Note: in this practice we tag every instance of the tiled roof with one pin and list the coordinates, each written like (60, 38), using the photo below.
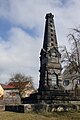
(20, 84)
(4, 86)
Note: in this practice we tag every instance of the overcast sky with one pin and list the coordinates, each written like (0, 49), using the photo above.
(22, 32)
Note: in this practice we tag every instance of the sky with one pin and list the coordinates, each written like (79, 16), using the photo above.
(22, 25)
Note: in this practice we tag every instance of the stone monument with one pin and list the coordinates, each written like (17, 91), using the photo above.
(50, 96)
(49, 89)
(50, 67)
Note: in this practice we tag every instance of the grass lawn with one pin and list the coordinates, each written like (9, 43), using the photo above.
(39, 116)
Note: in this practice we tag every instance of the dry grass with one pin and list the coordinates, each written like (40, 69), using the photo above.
(39, 116)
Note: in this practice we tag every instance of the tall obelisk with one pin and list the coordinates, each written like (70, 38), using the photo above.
(50, 67)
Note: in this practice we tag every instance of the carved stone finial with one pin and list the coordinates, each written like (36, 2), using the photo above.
(49, 15)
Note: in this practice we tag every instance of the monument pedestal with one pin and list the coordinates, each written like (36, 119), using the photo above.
(47, 96)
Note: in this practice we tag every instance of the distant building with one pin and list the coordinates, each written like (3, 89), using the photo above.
(1, 92)
(71, 78)
(9, 91)
(10, 94)
(26, 88)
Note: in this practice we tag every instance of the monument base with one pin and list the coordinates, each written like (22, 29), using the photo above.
(49, 97)
(42, 107)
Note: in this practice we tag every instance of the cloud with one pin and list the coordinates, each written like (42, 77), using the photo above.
(19, 49)
(24, 13)
(19, 54)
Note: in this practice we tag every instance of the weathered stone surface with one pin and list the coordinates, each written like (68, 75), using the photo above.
(50, 67)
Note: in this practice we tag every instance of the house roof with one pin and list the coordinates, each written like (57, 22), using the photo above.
(21, 84)
(4, 86)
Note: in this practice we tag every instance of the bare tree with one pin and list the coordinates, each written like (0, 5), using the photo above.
(71, 59)
(19, 81)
